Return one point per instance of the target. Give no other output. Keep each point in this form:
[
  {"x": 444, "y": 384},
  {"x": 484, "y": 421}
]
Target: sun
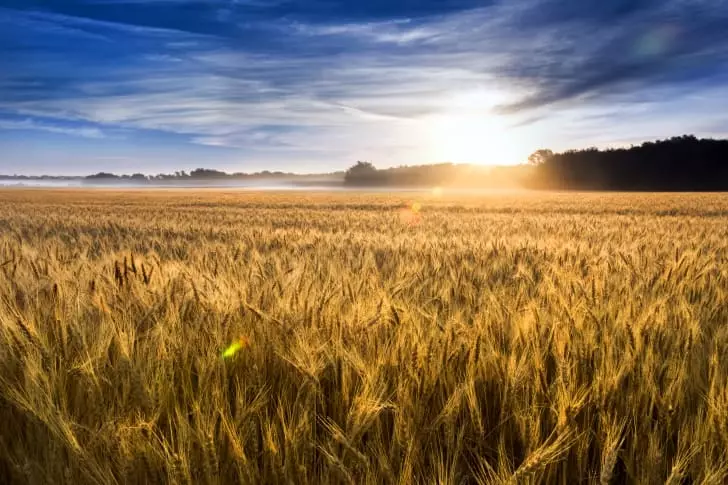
[
  {"x": 468, "y": 132},
  {"x": 473, "y": 139}
]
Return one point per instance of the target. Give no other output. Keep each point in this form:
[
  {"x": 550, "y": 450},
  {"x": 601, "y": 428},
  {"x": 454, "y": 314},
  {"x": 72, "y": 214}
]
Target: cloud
[
  {"x": 29, "y": 124},
  {"x": 393, "y": 31},
  {"x": 314, "y": 77},
  {"x": 634, "y": 44}
]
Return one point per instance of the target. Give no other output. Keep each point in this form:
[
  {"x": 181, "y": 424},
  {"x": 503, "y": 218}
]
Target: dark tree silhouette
[
  {"x": 102, "y": 176},
  {"x": 363, "y": 173},
  {"x": 540, "y": 156},
  {"x": 206, "y": 173},
  {"x": 683, "y": 163}
]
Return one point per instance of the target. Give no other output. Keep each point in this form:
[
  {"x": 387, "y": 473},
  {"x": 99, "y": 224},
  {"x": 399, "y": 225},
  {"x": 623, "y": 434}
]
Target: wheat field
[{"x": 379, "y": 339}]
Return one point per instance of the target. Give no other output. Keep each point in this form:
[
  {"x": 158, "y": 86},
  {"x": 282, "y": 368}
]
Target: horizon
[
  {"x": 153, "y": 86},
  {"x": 342, "y": 171},
  {"x": 334, "y": 171}
]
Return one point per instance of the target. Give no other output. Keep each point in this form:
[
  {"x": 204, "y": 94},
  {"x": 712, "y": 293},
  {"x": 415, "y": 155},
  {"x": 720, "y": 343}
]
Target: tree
[
  {"x": 361, "y": 173},
  {"x": 362, "y": 168},
  {"x": 540, "y": 156},
  {"x": 200, "y": 173},
  {"x": 103, "y": 175}
]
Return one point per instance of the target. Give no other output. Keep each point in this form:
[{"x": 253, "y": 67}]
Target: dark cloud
[
  {"x": 555, "y": 12},
  {"x": 356, "y": 10},
  {"x": 615, "y": 45}
]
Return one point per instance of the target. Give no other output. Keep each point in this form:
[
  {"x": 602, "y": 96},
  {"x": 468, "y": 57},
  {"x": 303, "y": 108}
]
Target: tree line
[
  {"x": 683, "y": 163},
  {"x": 204, "y": 176},
  {"x": 365, "y": 174},
  {"x": 197, "y": 174}
]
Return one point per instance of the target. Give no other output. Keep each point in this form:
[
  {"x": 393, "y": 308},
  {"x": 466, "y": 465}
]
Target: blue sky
[{"x": 311, "y": 86}]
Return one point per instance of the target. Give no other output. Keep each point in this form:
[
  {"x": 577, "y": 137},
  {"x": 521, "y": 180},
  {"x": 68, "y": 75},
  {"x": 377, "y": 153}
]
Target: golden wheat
[{"x": 503, "y": 338}]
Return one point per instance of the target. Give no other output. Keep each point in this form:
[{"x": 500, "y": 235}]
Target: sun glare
[
  {"x": 469, "y": 133},
  {"x": 471, "y": 139}
]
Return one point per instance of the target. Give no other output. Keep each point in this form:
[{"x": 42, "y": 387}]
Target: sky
[{"x": 312, "y": 86}]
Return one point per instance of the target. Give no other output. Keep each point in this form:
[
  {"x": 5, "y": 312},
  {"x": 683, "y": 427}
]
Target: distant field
[{"x": 412, "y": 338}]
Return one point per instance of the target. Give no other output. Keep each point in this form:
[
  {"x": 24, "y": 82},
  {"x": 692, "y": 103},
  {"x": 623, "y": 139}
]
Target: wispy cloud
[
  {"x": 29, "y": 124},
  {"x": 393, "y": 31}
]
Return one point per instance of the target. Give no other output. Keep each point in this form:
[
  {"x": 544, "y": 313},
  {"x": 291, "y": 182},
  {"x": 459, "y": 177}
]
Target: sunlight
[
  {"x": 473, "y": 139},
  {"x": 468, "y": 132}
]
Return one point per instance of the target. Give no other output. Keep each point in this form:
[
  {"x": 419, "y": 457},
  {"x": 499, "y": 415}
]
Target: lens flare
[
  {"x": 235, "y": 347},
  {"x": 410, "y": 214},
  {"x": 437, "y": 191},
  {"x": 657, "y": 41}
]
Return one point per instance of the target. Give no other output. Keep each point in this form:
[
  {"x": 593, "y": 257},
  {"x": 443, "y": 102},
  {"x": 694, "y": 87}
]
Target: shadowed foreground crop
[{"x": 551, "y": 338}]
